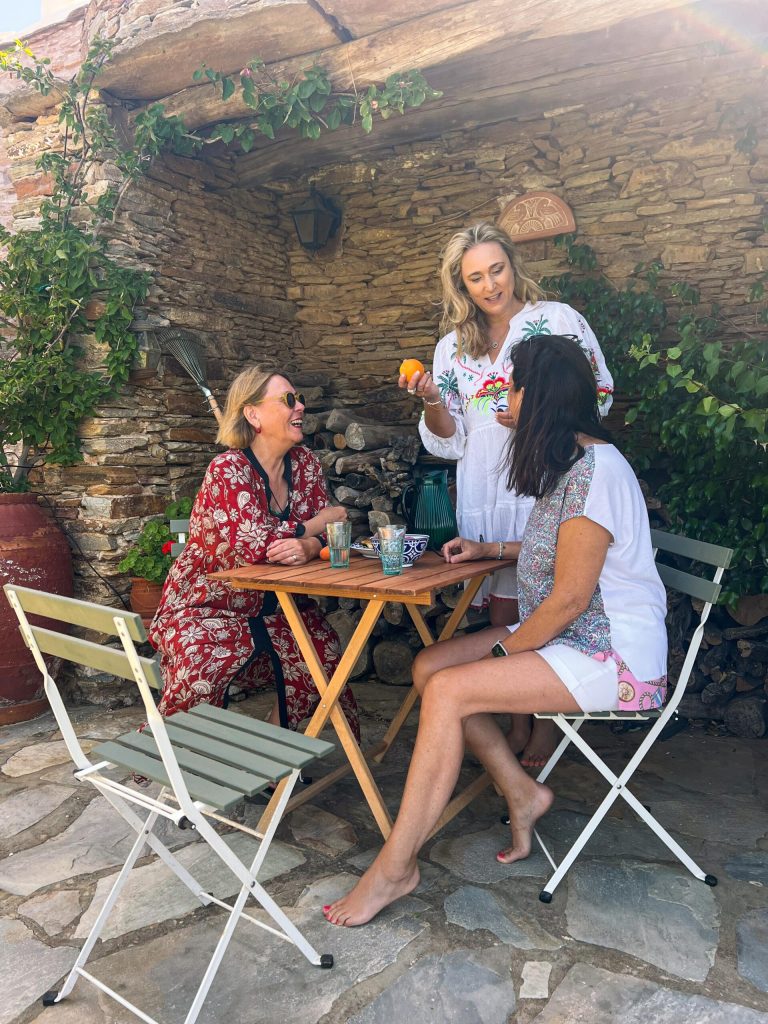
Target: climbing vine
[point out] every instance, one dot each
(698, 391)
(60, 288)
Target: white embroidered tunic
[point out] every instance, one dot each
(473, 391)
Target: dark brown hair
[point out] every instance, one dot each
(559, 402)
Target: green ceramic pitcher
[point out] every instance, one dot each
(428, 509)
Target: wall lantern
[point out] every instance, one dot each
(316, 222)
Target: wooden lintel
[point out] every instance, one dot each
(648, 57)
(428, 42)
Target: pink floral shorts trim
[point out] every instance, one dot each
(636, 694)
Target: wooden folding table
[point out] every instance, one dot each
(364, 580)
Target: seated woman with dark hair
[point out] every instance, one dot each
(591, 635)
(263, 500)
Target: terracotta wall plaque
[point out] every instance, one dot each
(536, 215)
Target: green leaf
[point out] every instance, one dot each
(726, 411)
(367, 123)
(227, 88)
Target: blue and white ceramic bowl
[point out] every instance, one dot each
(414, 546)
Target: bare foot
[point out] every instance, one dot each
(520, 733)
(522, 821)
(373, 892)
(541, 745)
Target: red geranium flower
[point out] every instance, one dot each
(166, 548)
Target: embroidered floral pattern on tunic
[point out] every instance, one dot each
(540, 326)
(492, 395)
(448, 386)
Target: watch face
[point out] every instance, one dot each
(498, 650)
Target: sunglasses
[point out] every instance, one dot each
(289, 398)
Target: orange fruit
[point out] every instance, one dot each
(410, 366)
(325, 554)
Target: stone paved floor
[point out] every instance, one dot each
(629, 937)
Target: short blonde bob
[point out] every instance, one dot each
(248, 388)
(460, 314)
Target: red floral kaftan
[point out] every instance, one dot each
(207, 632)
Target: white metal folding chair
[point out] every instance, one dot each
(206, 760)
(696, 583)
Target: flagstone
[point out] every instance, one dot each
(535, 979)
(752, 948)
(153, 893)
(657, 913)
(37, 756)
(28, 967)
(24, 808)
(472, 909)
(751, 866)
(53, 911)
(97, 839)
(598, 996)
(452, 988)
(322, 831)
(472, 856)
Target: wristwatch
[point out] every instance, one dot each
(499, 650)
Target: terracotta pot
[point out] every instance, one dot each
(33, 553)
(144, 598)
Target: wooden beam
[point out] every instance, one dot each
(597, 70)
(428, 42)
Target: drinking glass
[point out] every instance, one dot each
(391, 544)
(339, 539)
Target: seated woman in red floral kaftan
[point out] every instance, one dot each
(263, 500)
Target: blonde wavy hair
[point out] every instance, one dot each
(248, 387)
(459, 313)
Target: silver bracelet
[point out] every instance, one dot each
(500, 555)
(438, 402)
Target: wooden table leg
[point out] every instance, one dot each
(328, 707)
(427, 639)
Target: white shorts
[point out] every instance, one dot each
(593, 684)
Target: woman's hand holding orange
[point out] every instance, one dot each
(420, 385)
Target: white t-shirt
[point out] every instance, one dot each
(627, 609)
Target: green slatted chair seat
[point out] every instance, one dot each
(633, 716)
(223, 756)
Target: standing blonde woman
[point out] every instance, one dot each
(490, 302)
(263, 500)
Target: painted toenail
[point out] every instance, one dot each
(326, 908)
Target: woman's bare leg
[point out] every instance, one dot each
(520, 683)
(507, 613)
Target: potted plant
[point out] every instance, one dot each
(149, 559)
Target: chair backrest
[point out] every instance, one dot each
(181, 528)
(127, 664)
(41, 640)
(699, 580)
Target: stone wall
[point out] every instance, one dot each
(61, 42)
(675, 177)
(219, 257)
